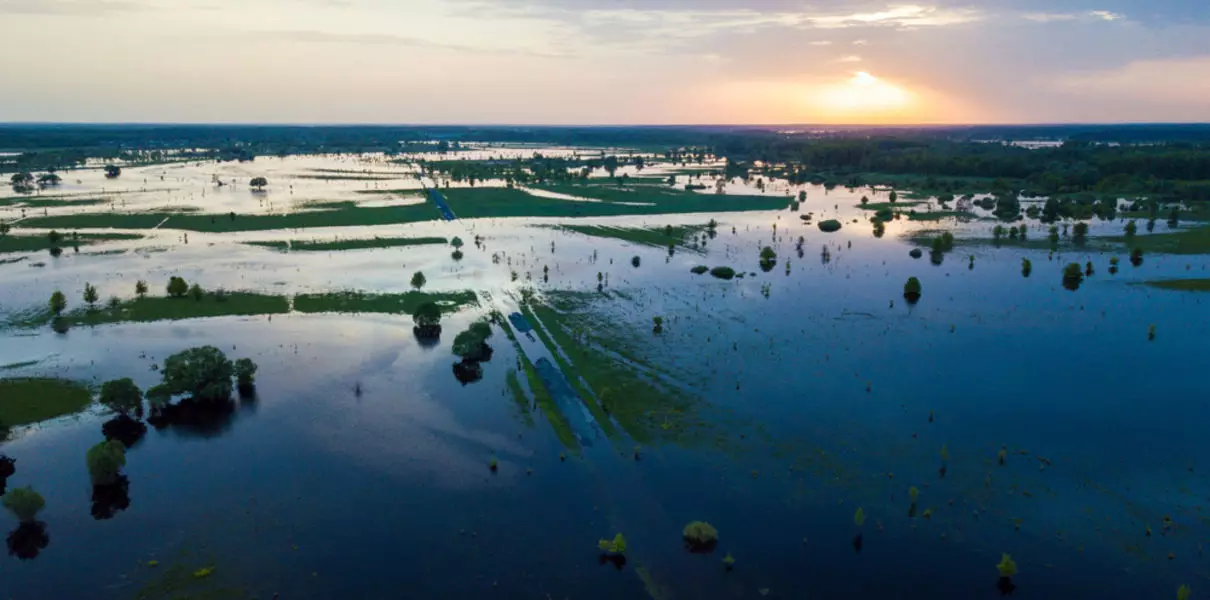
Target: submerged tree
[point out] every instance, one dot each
(1073, 276)
(90, 295)
(657, 325)
(859, 520)
(105, 460)
(24, 503)
(203, 373)
(112, 171)
(428, 321)
(1007, 568)
(58, 302)
(1131, 229)
(1136, 256)
(418, 280)
(1027, 267)
(122, 396)
(700, 537)
(258, 183)
(29, 538)
(245, 375)
(911, 290)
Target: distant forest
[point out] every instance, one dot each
(1172, 161)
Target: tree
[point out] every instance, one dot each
(245, 372)
(122, 396)
(259, 183)
(456, 242)
(912, 289)
(1027, 267)
(177, 287)
(611, 164)
(90, 294)
(4, 228)
(24, 503)
(140, 288)
(1136, 256)
(865, 200)
(1073, 276)
(1131, 229)
(657, 325)
(204, 373)
(428, 320)
(58, 302)
(1080, 232)
(112, 171)
(54, 237)
(197, 292)
(894, 196)
(635, 262)
(418, 280)
(105, 460)
(700, 536)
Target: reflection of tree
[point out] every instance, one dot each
(468, 371)
(192, 418)
(28, 540)
(124, 429)
(110, 499)
(8, 466)
(426, 340)
(1006, 586)
(617, 560)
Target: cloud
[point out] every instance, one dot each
(898, 16)
(821, 43)
(1091, 15)
(383, 39)
(69, 7)
(849, 59)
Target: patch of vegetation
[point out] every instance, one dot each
(659, 237)
(940, 215)
(829, 226)
(1185, 241)
(105, 460)
(391, 304)
(38, 243)
(511, 202)
(347, 216)
(726, 273)
(148, 309)
(31, 400)
(1181, 285)
(700, 536)
(348, 244)
(700, 269)
(24, 503)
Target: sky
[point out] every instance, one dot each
(605, 61)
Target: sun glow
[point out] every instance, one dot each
(863, 98)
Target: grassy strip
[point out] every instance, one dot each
(650, 236)
(642, 408)
(940, 215)
(392, 304)
(666, 200)
(405, 192)
(520, 398)
(347, 177)
(36, 202)
(37, 243)
(1194, 240)
(345, 216)
(1181, 285)
(586, 395)
(337, 245)
(506, 202)
(558, 422)
(24, 401)
(877, 206)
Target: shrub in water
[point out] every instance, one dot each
(204, 373)
(105, 460)
(122, 396)
(1073, 276)
(177, 287)
(829, 226)
(723, 272)
(698, 270)
(245, 372)
(912, 289)
(428, 321)
(700, 536)
(24, 503)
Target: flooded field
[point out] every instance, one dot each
(674, 347)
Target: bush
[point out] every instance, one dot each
(197, 292)
(471, 345)
(177, 287)
(1131, 229)
(122, 396)
(723, 272)
(259, 182)
(456, 255)
(24, 503)
(90, 294)
(204, 373)
(657, 324)
(58, 302)
(700, 269)
(418, 280)
(767, 254)
(1136, 256)
(105, 460)
(245, 372)
(615, 546)
(1026, 267)
(456, 242)
(829, 226)
(916, 253)
(427, 315)
(635, 262)
(912, 289)
(140, 288)
(884, 214)
(700, 536)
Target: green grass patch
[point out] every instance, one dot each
(644, 408)
(38, 243)
(343, 214)
(348, 177)
(391, 304)
(507, 202)
(939, 215)
(666, 200)
(53, 202)
(542, 398)
(647, 236)
(1195, 240)
(32, 400)
(1180, 285)
(877, 206)
(349, 244)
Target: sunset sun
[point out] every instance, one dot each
(863, 97)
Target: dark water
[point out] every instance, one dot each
(314, 491)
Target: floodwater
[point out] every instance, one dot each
(829, 393)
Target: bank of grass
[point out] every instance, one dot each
(877, 206)
(510, 202)
(660, 199)
(644, 408)
(344, 214)
(348, 244)
(924, 186)
(52, 202)
(541, 397)
(38, 243)
(647, 236)
(390, 304)
(31, 400)
(940, 215)
(244, 304)
(1194, 240)
(1180, 285)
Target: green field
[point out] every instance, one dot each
(648, 236)
(25, 401)
(345, 216)
(393, 304)
(1195, 240)
(1181, 285)
(939, 215)
(37, 243)
(348, 244)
